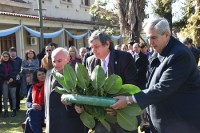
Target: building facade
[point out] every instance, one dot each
(72, 15)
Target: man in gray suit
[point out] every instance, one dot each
(113, 62)
(172, 94)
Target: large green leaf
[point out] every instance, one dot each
(127, 122)
(61, 90)
(132, 110)
(82, 76)
(113, 84)
(87, 119)
(105, 124)
(110, 118)
(70, 77)
(98, 77)
(129, 89)
(60, 78)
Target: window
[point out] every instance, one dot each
(85, 2)
(67, 2)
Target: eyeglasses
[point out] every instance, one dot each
(48, 50)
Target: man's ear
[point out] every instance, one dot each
(108, 44)
(167, 34)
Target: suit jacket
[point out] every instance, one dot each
(141, 63)
(120, 63)
(59, 118)
(173, 94)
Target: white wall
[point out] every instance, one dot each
(59, 9)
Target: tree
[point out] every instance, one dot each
(131, 15)
(103, 17)
(164, 9)
(192, 29)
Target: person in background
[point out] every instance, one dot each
(130, 48)
(41, 55)
(141, 62)
(35, 103)
(60, 118)
(29, 65)
(82, 52)
(74, 56)
(46, 61)
(124, 47)
(172, 93)
(8, 74)
(145, 49)
(18, 63)
(53, 45)
(195, 51)
(88, 54)
(117, 47)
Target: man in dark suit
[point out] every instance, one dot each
(141, 62)
(113, 62)
(172, 96)
(60, 118)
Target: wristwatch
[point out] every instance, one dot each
(127, 100)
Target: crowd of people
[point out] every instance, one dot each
(165, 71)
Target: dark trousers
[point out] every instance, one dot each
(18, 85)
(115, 128)
(1, 99)
(34, 121)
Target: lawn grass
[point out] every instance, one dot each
(13, 124)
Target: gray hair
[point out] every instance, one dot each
(58, 50)
(161, 25)
(102, 36)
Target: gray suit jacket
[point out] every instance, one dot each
(173, 91)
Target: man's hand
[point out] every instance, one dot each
(36, 106)
(121, 103)
(111, 111)
(65, 102)
(79, 109)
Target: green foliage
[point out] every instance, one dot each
(164, 9)
(91, 94)
(104, 18)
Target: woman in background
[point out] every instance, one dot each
(74, 56)
(29, 65)
(8, 74)
(35, 103)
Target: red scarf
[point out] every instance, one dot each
(38, 93)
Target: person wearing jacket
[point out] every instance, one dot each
(8, 74)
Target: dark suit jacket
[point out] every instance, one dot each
(120, 63)
(142, 65)
(173, 94)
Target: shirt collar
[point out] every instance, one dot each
(106, 59)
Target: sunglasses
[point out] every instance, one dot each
(48, 50)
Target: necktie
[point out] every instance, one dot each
(104, 65)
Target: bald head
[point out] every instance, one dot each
(60, 57)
